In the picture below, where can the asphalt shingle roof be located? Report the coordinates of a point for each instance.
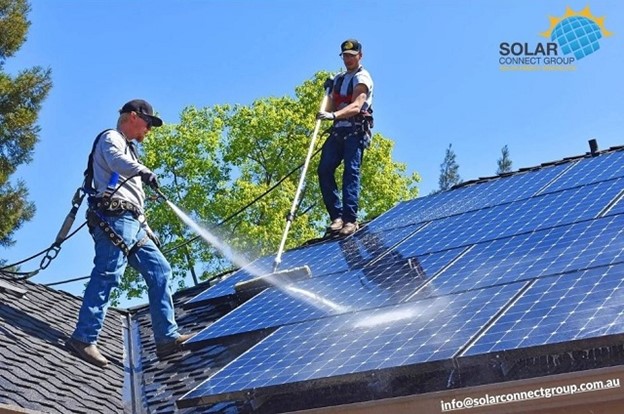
(37, 372)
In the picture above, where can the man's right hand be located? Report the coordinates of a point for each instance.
(150, 179)
(326, 116)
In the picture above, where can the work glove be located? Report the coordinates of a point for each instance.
(329, 84)
(150, 179)
(152, 235)
(326, 115)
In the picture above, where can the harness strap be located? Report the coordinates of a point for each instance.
(94, 220)
(139, 244)
(338, 99)
(87, 185)
(112, 206)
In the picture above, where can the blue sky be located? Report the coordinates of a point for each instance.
(435, 65)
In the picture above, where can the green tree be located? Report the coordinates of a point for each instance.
(504, 162)
(20, 101)
(219, 159)
(449, 170)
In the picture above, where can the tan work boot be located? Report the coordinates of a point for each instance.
(336, 225)
(349, 228)
(166, 349)
(87, 352)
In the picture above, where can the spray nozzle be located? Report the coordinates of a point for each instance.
(160, 195)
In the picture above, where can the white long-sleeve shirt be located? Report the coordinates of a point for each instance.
(113, 154)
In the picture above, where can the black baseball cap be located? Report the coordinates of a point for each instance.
(141, 107)
(350, 47)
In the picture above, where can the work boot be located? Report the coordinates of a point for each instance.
(336, 225)
(349, 228)
(87, 352)
(168, 348)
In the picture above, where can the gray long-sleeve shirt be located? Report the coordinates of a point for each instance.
(113, 154)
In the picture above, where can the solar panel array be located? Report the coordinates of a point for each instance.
(523, 261)
(351, 344)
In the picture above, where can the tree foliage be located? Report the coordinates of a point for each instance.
(449, 170)
(504, 162)
(20, 101)
(218, 159)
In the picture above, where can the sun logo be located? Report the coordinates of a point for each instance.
(577, 32)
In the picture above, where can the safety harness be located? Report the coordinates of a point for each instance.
(363, 120)
(107, 205)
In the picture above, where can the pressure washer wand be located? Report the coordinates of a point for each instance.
(291, 214)
(160, 194)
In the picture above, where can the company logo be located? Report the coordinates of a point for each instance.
(574, 36)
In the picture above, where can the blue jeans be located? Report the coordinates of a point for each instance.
(348, 146)
(110, 264)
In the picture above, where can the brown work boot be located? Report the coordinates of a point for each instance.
(336, 225)
(349, 228)
(87, 352)
(166, 349)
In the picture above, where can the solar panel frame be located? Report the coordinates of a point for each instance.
(366, 244)
(589, 170)
(387, 282)
(551, 311)
(272, 364)
(517, 233)
(520, 217)
(497, 191)
(542, 253)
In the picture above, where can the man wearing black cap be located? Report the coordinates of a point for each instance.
(114, 182)
(349, 107)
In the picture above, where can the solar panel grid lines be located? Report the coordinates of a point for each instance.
(496, 318)
(555, 178)
(515, 218)
(616, 206)
(389, 282)
(353, 344)
(582, 305)
(426, 288)
(505, 211)
(537, 254)
(372, 241)
(323, 258)
(463, 199)
(589, 170)
(226, 287)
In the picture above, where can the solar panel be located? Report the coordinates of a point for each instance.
(388, 281)
(502, 221)
(542, 253)
(579, 305)
(322, 258)
(473, 197)
(344, 346)
(226, 286)
(591, 170)
(618, 207)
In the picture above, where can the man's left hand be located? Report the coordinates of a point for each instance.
(326, 115)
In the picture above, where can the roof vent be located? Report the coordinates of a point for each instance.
(12, 288)
(593, 147)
